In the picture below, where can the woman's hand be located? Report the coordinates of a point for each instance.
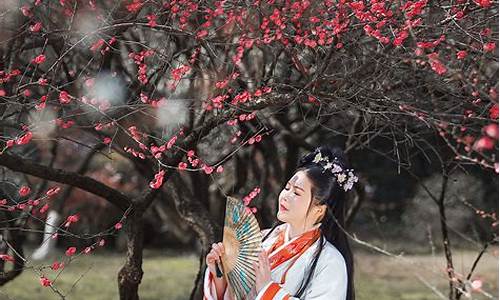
(262, 271)
(213, 257)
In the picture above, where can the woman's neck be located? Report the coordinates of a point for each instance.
(294, 230)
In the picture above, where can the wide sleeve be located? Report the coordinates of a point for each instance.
(329, 283)
(209, 291)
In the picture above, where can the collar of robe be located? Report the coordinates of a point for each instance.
(284, 248)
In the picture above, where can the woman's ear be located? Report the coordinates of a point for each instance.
(320, 211)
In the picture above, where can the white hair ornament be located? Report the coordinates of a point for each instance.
(345, 178)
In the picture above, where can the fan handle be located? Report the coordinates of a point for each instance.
(217, 270)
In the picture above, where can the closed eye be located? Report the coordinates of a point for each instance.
(294, 192)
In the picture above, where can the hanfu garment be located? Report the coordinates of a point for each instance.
(290, 261)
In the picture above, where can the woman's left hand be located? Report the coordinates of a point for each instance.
(262, 271)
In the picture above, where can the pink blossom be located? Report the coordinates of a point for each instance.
(64, 97)
(476, 285)
(158, 180)
(26, 10)
(489, 47)
(71, 219)
(208, 169)
(484, 143)
(39, 59)
(436, 65)
(202, 33)
(491, 131)
(494, 112)
(24, 191)
(36, 27)
(483, 3)
(135, 6)
(57, 265)
(70, 251)
(53, 191)
(461, 54)
(24, 139)
(6, 257)
(44, 281)
(44, 208)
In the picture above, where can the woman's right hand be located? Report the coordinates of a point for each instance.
(213, 257)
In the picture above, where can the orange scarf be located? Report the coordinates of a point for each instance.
(293, 250)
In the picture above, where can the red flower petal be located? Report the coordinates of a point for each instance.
(44, 208)
(6, 257)
(57, 265)
(44, 281)
(64, 97)
(24, 139)
(476, 285)
(36, 27)
(208, 169)
(158, 180)
(494, 112)
(182, 165)
(135, 6)
(39, 59)
(71, 251)
(24, 191)
(484, 143)
(483, 3)
(53, 191)
(491, 131)
(461, 54)
(489, 47)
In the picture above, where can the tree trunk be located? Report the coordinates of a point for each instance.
(15, 239)
(193, 212)
(130, 275)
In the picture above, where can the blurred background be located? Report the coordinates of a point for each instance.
(125, 124)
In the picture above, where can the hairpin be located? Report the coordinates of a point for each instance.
(345, 178)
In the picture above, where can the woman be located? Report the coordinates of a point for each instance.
(308, 255)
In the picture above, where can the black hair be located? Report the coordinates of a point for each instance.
(326, 190)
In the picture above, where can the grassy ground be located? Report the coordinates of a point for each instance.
(420, 277)
(171, 277)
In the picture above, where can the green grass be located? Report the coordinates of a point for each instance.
(413, 277)
(165, 277)
(171, 277)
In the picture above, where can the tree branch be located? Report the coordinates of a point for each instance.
(85, 183)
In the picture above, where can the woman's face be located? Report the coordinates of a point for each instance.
(294, 199)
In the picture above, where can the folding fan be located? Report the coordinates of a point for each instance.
(242, 244)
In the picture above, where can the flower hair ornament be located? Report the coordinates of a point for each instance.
(345, 178)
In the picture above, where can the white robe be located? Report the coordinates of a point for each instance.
(329, 281)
